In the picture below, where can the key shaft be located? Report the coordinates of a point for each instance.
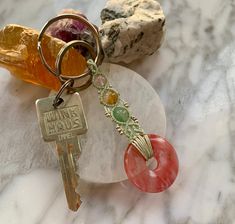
(68, 151)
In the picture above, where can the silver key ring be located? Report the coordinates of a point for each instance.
(58, 100)
(98, 57)
(59, 60)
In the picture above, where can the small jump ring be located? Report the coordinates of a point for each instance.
(63, 51)
(58, 100)
(75, 17)
(59, 59)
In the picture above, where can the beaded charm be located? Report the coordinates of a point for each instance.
(150, 161)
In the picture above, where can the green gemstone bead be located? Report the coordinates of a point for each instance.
(121, 114)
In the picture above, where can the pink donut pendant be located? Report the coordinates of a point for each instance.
(160, 177)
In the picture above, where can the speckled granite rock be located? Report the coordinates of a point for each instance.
(131, 29)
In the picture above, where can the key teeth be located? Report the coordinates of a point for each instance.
(77, 197)
(79, 201)
(119, 129)
(76, 207)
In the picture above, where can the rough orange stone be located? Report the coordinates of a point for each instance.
(18, 54)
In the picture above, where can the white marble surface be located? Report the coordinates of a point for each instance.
(194, 74)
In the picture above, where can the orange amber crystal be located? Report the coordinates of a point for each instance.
(18, 54)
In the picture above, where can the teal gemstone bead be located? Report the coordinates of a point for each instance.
(121, 114)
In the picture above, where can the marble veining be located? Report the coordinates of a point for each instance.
(194, 74)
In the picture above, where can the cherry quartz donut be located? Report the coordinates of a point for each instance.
(162, 176)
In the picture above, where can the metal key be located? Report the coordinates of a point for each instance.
(63, 125)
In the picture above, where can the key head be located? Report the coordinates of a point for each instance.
(64, 122)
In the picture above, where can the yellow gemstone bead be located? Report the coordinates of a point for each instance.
(110, 97)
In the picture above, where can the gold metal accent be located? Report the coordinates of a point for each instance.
(126, 104)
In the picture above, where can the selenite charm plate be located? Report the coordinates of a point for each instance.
(103, 148)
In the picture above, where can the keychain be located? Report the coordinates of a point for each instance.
(150, 161)
(61, 117)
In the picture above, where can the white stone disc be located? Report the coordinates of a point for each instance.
(103, 148)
